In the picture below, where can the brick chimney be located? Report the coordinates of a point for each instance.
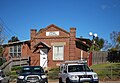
(32, 33)
(32, 36)
(72, 43)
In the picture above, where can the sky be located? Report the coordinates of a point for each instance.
(96, 16)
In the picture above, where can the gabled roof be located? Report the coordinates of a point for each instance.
(52, 25)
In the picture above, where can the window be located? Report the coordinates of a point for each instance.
(58, 52)
(15, 51)
(78, 68)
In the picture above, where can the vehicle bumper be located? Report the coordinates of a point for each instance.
(84, 80)
(32, 81)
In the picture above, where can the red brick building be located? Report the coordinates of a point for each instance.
(49, 46)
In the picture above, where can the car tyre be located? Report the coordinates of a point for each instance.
(67, 80)
(8, 81)
(60, 80)
(94, 82)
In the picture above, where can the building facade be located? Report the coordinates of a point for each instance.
(49, 47)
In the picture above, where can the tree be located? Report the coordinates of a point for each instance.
(98, 44)
(13, 39)
(107, 46)
(115, 37)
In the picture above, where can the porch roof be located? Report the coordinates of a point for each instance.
(43, 44)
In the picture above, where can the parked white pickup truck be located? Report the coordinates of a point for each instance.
(77, 72)
(3, 78)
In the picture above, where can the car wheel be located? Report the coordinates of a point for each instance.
(8, 81)
(94, 82)
(67, 80)
(60, 80)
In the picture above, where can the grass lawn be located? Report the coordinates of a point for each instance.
(107, 71)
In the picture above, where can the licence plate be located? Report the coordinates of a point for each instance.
(32, 81)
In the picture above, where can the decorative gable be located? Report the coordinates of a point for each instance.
(52, 31)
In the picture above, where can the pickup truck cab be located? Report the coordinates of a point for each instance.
(3, 78)
(77, 72)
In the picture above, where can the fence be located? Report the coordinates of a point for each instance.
(99, 57)
(108, 73)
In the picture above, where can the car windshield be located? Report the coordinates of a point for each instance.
(78, 68)
(32, 69)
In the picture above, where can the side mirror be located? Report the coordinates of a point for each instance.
(92, 70)
(46, 71)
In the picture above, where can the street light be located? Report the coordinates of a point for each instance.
(93, 35)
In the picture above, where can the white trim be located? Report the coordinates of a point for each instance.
(62, 54)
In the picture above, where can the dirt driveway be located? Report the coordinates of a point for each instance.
(56, 81)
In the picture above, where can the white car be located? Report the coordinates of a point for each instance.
(77, 72)
(3, 78)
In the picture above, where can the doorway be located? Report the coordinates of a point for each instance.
(43, 57)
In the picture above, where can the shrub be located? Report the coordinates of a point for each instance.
(16, 68)
(53, 73)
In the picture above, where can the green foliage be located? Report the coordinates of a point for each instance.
(113, 56)
(115, 38)
(2, 60)
(1, 63)
(16, 68)
(53, 73)
(98, 44)
(1, 51)
(13, 39)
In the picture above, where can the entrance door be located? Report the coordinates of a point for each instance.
(43, 57)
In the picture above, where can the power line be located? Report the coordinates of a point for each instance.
(8, 30)
(4, 29)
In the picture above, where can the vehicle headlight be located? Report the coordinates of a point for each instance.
(21, 77)
(44, 76)
(73, 76)
(1, 78)
(95, 76)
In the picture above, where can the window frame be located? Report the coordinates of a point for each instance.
(15, 53)
(58, 53)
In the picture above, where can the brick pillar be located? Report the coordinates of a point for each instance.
(32, 33)
(72, 44)
(32, 36)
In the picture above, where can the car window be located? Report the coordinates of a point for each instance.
(24, 70)
(32, 69)
(38, 69)
(78, 68)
